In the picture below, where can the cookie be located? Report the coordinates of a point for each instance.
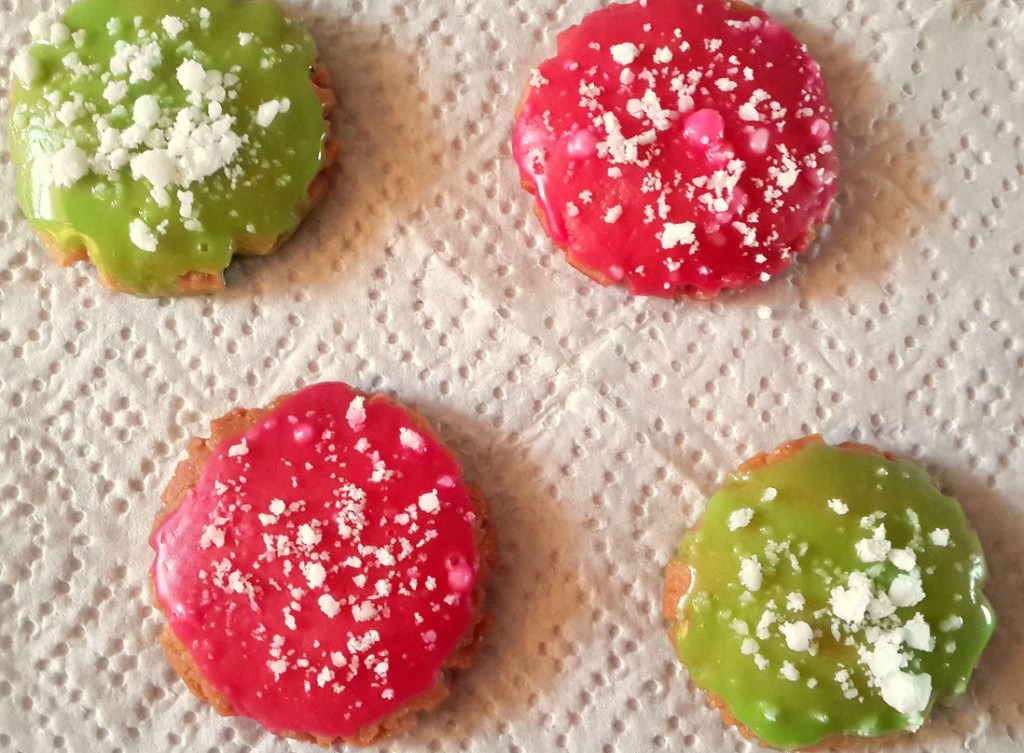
(158, 138)
(828, 592)
(678, 146)
(321, 564)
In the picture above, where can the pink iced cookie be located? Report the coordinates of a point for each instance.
(321, 565)
(678, 146)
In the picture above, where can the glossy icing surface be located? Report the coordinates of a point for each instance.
(678, 146)
(323, 568)
(161, 135)
(833, 592)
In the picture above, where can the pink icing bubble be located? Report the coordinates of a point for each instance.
(773, 29)
(821, 129)
(582, 144)
(737, 205)
(461, 577)
(759, 141)
(704, 127)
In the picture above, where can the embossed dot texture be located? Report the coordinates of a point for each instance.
(597, 424)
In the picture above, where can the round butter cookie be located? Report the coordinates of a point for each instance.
(321, 564)
(158, 138)
(678, 146)
(828, 592)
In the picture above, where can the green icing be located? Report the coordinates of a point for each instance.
(259, 194)
(795, 713)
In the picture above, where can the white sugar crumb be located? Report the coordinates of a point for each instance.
(904, 559)
(59, 34)
(740, 518)
(68, 113)
(236, 582)
(278, 667)
(315, 574)
(838, 506)
(325, 676)
(268, 111)
(356, 413)
(24, 67)
(238, 450)
(429, 502)
(750, 573)
(212, 536)
(875, 549)
(918, 633)
(907, 693)
(146, 111)
(798, 635)
(749, 647)
(770, 494)
(678, 234)
(951, 623)
(172, 25)
(191, 76)
(39, 26)
(613, 214)
(850, 603)
(159, 168)
(624, 53)
(364, 612)
(329, 605)
(411, 440)
(939, 537)
(663, 55)
(244, 38)
(308, 535)
(906, 590)
(115, 91)
(795, 601)
(789, 672)
(142, 236)
(768, 618)
(69, 165)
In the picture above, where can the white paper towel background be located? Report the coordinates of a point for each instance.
(597, 424)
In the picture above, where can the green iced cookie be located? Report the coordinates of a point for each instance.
(829, 591)
(160, 137)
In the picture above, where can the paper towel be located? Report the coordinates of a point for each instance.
(597, 424)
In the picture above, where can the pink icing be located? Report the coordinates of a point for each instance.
(679, 146)
(322, 569)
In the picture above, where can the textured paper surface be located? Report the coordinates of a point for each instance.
(596, 423)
